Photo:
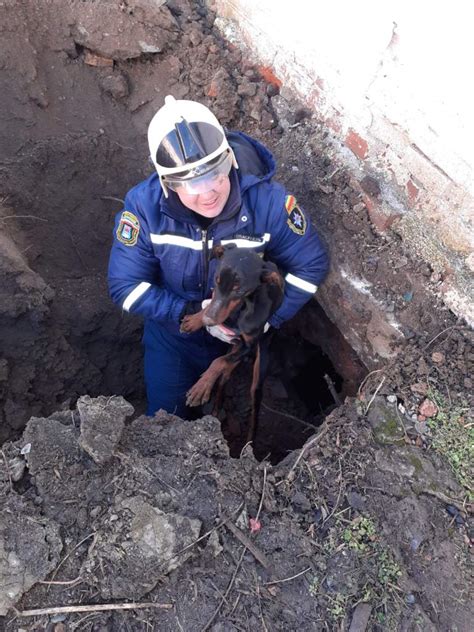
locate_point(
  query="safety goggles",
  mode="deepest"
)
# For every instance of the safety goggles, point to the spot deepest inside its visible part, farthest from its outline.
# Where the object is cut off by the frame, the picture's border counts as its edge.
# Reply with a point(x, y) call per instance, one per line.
point(203, 179)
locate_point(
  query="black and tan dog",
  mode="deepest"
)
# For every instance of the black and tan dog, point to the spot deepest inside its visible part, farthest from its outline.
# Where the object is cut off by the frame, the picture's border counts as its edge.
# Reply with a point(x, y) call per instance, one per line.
point(248, 290)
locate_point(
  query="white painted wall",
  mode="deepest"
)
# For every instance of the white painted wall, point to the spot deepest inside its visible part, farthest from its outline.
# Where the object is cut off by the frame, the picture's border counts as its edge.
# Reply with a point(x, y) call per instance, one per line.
point(399, 74)
point(411, 60)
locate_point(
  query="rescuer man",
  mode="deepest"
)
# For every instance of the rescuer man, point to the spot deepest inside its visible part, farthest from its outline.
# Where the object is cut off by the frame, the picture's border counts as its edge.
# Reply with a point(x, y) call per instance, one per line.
point(211, 187)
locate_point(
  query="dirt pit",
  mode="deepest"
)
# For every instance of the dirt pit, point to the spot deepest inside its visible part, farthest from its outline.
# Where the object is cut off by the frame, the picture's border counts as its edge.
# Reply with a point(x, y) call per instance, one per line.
point(369, 526)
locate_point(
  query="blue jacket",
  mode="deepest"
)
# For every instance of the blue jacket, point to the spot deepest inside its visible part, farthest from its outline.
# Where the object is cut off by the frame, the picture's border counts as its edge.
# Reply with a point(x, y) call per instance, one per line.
point(160, 255)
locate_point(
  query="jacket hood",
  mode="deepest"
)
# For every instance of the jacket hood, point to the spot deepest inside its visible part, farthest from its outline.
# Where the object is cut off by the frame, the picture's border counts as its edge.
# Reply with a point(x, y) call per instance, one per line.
point(256, 163)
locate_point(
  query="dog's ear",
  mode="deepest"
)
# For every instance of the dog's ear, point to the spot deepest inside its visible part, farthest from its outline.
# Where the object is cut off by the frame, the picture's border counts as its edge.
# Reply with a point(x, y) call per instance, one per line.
point(271, 275)
point(217, 252)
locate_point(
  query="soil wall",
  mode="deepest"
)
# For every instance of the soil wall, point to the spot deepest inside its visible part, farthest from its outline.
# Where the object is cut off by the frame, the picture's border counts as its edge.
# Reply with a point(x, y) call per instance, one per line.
point(75, 102)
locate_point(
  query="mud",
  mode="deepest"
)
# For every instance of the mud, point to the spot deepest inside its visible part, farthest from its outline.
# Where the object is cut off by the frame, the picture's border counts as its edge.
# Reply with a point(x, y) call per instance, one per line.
point(150, 525)
point(366, 509)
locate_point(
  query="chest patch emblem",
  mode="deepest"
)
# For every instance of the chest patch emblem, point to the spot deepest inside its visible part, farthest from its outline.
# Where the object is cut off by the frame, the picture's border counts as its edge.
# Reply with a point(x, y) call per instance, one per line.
point(296, 220)
point(128, 229)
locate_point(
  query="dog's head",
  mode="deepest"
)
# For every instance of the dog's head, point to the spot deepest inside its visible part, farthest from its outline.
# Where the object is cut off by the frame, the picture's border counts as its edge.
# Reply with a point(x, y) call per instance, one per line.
point(240, 272)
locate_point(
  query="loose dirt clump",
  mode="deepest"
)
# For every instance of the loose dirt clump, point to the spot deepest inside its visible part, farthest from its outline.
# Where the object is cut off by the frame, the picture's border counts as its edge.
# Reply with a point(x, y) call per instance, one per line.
point(172, 520)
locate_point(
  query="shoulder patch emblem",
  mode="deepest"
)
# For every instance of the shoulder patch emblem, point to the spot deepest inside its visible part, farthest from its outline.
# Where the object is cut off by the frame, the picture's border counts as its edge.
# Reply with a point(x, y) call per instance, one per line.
point(128, 229)
point(296, 220)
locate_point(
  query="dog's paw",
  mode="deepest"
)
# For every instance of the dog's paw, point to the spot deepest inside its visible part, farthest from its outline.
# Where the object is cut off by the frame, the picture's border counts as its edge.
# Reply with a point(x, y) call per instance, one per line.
point(200, 393)
point(191, 323)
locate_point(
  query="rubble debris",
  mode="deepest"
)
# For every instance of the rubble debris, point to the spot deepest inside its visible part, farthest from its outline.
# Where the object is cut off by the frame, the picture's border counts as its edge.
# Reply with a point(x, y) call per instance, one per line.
point(161, 520)
point(387, 425)
point(102, 422)
point(127, 36)
point(30, 545)
point(91, 59)
point(140, 550)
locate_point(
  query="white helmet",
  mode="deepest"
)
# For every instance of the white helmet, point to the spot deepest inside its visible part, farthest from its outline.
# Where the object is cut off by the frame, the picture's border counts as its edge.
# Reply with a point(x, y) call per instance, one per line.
point(188, 147)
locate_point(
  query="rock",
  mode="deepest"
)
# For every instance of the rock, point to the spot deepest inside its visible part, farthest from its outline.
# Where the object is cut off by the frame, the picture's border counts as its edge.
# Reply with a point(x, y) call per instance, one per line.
point(143, 550)
point(256, 114)
point(29, 549)
point(283, 111)
point(195, 36)
point(392, 399)
point(360, 618)
point(102, 422)
point(213, 546)
point(300, 502)
point(386, 425)
point(16, 467)
point(428, 408)
point(115, 84)
point(272, 90)
point(408, 462)
point(268, 120)
point(247, 89)
point(438, 357)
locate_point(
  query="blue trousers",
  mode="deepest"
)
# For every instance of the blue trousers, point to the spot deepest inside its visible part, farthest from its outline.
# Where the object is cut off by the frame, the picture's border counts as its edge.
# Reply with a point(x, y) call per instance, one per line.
point(173, 363)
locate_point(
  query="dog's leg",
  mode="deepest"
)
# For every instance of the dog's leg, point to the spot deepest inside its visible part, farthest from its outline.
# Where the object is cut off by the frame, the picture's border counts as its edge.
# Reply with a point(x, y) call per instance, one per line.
point(221, 368)
point(219, 398)
point(253, 395)
point(260, 369)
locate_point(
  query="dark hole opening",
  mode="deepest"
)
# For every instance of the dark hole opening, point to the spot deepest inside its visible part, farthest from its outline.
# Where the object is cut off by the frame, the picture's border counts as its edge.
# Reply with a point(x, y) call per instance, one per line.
point(311, 383)
point(301, 388)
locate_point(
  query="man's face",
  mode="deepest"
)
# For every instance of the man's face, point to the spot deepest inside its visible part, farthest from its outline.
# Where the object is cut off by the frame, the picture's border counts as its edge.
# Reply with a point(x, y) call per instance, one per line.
point(210, 203)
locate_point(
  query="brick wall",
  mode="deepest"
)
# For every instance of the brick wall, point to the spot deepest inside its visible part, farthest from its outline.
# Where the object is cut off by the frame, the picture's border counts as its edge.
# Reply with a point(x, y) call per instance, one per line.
point(392, 83)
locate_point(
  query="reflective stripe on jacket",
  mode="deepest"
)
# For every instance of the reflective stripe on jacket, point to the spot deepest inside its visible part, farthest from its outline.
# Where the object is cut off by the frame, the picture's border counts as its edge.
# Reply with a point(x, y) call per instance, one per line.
point(162, 259)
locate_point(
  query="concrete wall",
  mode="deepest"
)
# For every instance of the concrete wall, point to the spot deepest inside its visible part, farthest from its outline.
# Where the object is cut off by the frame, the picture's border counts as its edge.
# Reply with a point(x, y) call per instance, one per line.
point(391, 81)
